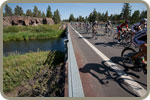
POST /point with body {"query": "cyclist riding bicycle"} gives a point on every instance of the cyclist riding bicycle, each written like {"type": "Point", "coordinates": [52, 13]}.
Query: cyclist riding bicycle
{"type": "Point", "coordinates": [94, 26]}
{"type": "Point", "coordinates": [87, 26]}
{"type": "Point", "coordinates": [139, 26]}
{"type": "Point", "coordinates": [140, 39]}
{"type": "Point", "coordinates": [120, 29]}
{"type": "Point", "coordinates": [108, 26]}
{"type": "Point", "coordinates": [80, 25]}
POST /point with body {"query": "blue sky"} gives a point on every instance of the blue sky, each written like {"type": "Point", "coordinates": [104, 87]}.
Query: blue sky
{"type": "Point", "coordinates": [77, 9]}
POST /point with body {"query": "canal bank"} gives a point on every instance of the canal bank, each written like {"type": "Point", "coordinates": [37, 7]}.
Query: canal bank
{"type": "Point", "coordinates": [34, 68]}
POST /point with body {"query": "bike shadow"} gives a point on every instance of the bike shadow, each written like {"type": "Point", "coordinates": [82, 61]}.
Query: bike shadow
{"type": "Point", "coordinates": [118, 60]}
{"type": "Point", "coordinates": [106, 44]}
{"type": "Point", "coordinates": [106, 74]}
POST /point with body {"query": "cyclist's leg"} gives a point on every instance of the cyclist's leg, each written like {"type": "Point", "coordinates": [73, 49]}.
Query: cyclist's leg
{"type": "Point", "coordinates": [118, 31]}
{"type": "Point", "coordinates": [141, 40]}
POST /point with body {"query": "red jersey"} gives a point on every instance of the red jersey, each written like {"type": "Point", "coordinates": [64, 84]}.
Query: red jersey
{"type": "Point", "coordinates": [122, 25]}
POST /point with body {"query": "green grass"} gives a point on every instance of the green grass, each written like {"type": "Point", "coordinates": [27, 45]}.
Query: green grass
{"type": "Point", "coordinates": [18, 69]}
{"type": "Point", "coordinates": [17, 33]}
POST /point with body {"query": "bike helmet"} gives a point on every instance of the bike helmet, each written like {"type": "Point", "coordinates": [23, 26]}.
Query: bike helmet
{"type": "Point", "coordinates": [95, 21]}
{"type": "Point", "coordinates": [143, 20]}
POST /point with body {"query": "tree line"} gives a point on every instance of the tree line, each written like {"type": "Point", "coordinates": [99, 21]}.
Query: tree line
{"type": "Point", "coordinates": [116, 18]}
{"type": "Point", "coordinates": [35, 13]}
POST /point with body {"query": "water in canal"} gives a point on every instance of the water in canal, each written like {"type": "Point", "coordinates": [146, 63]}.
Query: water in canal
{"type": "Point", "coordinates": [32, 46]}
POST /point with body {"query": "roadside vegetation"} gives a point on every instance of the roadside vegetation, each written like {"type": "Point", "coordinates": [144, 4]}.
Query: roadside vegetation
{"type": "Point", "coordinates": [17, 33]}
{"type": "Point", "coordinates": [34, 74]}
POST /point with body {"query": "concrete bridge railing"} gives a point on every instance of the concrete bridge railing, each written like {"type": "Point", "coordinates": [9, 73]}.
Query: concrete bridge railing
{"type": "Point", "coordinates": [75, 88]}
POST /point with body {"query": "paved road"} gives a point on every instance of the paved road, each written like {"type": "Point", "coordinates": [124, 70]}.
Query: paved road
{"type": "Point", "coordinates": [98, 78]}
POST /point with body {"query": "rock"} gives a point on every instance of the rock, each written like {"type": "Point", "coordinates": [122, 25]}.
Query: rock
{"type": "Point", "coordinates": [7, 21]}
{"type": "Point", "coordinates": [25, 20]}
{"type": "Point", "coordinates": [48, 21]}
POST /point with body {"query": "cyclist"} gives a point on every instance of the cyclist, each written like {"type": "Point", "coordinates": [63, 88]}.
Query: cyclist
{"type": "Point", "coordinates": [80, 25]}
{"type": "Point", "coordinates": [108, 26]}
{"type": "Point", "coordinates": [139, 26]}
{"type": "Point", "coordinates": [94, 26]}
{"type": "Point", "coordinates": [120, 28]}
{"type": "Point", "coordinates": [87, 26]}
{"type": "Point", "coordinates": [140, 39]}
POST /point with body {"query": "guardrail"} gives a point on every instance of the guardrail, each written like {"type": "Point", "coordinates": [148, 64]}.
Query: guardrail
{"type": "Point", "coordinates": [75, 88]}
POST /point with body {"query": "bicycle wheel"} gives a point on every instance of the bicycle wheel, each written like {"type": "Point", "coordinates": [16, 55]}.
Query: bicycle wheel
{"type": "Point", "coordinates": [126, 56]}
{"type": "Point", "coordinates": [115, 38]}
{"type": "Point", "coordinates": [127, 40]}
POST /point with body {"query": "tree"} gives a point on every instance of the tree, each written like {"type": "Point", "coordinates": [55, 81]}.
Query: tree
{"type": "Point", "coordinates": [143, 14]}
{"type": "Point", "coordinates": [86, 19]}
{"type": "Point", "coordinates": [90, 17]}
{"type": "Point", "coordinates": [8, 11]}
{"type": "Point", "coordinates": [93, 16]}
{"type": "Point", "coordinates": [126, 11]}
{"type": "Point", "coordinates": [115, 17]}
{"type": "Point", "coordinates": [43, 15]}
{"type": "Point", "coordinates": [49, 13]}
{"type": "Point", "coordinates": [80, 19]}
{"type": "Point", "coordinates": [56, 17]}
{"type": "Point", "coordinates": [106, 16]}
{"type": "Point", "coordinates": [99, 16]}
{"type": "Point", "coordinates": [77, 20]}
{"type": "Point", "coordinates": [110, 17]}
{"type": "Point", "coordinates": [135, 16]}
{"type": "Point", "coordinates": [39, 14]}
{"type": "Point", "coordinates": [71, 18]}
{"type": "Point", "coordinates": [29, 13]}
{"type": "Point", "coordinates": [18, 11]}
{"type": "Point", "coordinates": [102, 17]}
{"type": "Point", "coordinates": [35, 11]}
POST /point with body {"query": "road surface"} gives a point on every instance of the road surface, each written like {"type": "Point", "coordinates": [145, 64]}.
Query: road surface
{"type": "Point", "coordinates": [94, 60]}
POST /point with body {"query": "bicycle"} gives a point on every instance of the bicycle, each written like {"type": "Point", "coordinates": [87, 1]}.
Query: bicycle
{"type": "Point", "coordinates": [128, 61]}
{"type": "Point", "coordinates": [87, 28]}
{"type": "Point", "coordinates": [108, 31]}
{"type": "Point", "coordinates": [94, 34]}
{"type": "Point", "coordinates": [125, 39]}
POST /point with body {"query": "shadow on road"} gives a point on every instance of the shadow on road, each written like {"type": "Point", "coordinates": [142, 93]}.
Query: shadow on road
{"type": "Point", "coordinates": [106, 74]}
{"type": "Point", "coordinates": [118, 60]}
{"type": "Point", "coordinates": [110, 44]}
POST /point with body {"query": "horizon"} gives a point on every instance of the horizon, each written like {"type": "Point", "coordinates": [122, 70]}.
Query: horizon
{"type": "Point", "coordinates": [78, 9]}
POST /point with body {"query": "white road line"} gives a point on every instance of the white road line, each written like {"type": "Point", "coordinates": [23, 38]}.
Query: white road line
{"type": "Point", "coordinates": [136, 88]}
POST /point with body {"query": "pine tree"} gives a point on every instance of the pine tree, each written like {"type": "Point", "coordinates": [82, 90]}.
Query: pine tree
{"type": "Point", "coordinates": [94, 18]}
{"type": "Point", "coordinates": [99, 16]}
{"type": "Point", "coordinates": [8, 11]}
{"type": "Point", "coordinates": [18, 11]}
{"type": "Point", "coordinates": [143, 14]}
{"type": "Point", "coordinates": [56, 17]}
{"type": "Point", "coordinates": [35, 11]}
{"type": "Point", "coordinates": [110, 17]}
{"type": "Point", "coordinates": [39, 14]}
{"type": "Point", "coordinates": [106, 16]}
{"type": "Point", "coordinates": [71, 18]}
{"type": "Point", "coordinates": [43, 15]}
{"type": "Point", "coordinates": [49, 13]}
{"type": "Point", "coordinates": [29, 13]}
{"type": "Point", "coordinates": [135, 16]}
{"type": "Point", "coordinates": [126, 11]}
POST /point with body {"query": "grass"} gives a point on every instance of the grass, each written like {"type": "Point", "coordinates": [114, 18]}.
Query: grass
{"type": "Point", "coordinates": [17, 33]}
{"type": "Point", "coordinates": [18, 69]}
